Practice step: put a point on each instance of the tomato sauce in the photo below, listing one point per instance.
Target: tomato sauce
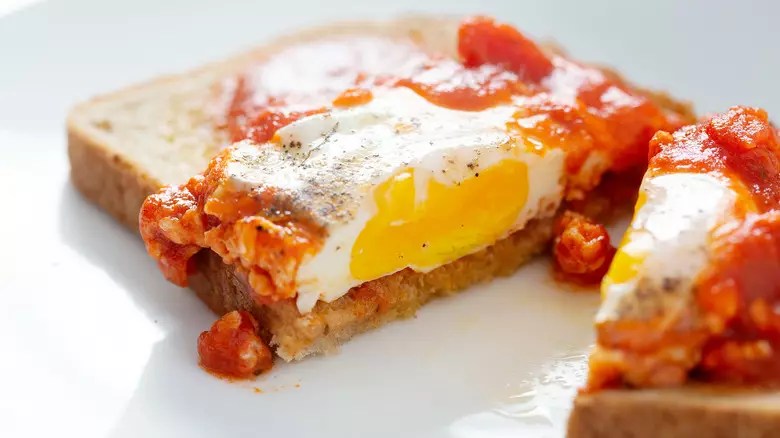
(568, 105)
(742, 293)
(175, 226)
(740, 146)
(732, 334)
(578, 108)
(601, 124)
(740, 290)
(257, 115)
(353, 97)
(559, 103)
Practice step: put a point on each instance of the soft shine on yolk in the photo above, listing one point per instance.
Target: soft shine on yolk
(624, 268)
(451, 221)
(630, 255)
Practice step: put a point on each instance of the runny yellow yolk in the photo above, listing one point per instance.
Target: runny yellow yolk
(630, 255)
(451, 221)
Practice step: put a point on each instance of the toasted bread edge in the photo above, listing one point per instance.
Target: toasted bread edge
(688, 412)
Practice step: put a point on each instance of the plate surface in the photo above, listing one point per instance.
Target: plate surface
(95, 343)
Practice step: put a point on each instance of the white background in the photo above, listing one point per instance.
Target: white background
(94, 343)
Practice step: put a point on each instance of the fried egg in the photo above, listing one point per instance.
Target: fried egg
(400, 183)
(666, 246)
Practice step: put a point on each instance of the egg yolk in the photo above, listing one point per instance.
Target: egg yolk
(630, 255)
(448, 222)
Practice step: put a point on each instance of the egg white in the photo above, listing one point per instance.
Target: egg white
(351, 151)
(669, 240)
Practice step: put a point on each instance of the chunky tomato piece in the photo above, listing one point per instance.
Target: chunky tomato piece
(233, 348)
(483, 41)
(582, 249)
(742, 128)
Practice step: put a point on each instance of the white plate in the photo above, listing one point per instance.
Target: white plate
(93, 342)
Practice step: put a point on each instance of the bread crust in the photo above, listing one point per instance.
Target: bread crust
(690, 412)
(108, 179)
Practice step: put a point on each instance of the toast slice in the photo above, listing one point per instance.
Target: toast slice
(125, 146)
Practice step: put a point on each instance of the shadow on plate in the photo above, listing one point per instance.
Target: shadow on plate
(508, 383)
(174, 397)
(121, 254)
